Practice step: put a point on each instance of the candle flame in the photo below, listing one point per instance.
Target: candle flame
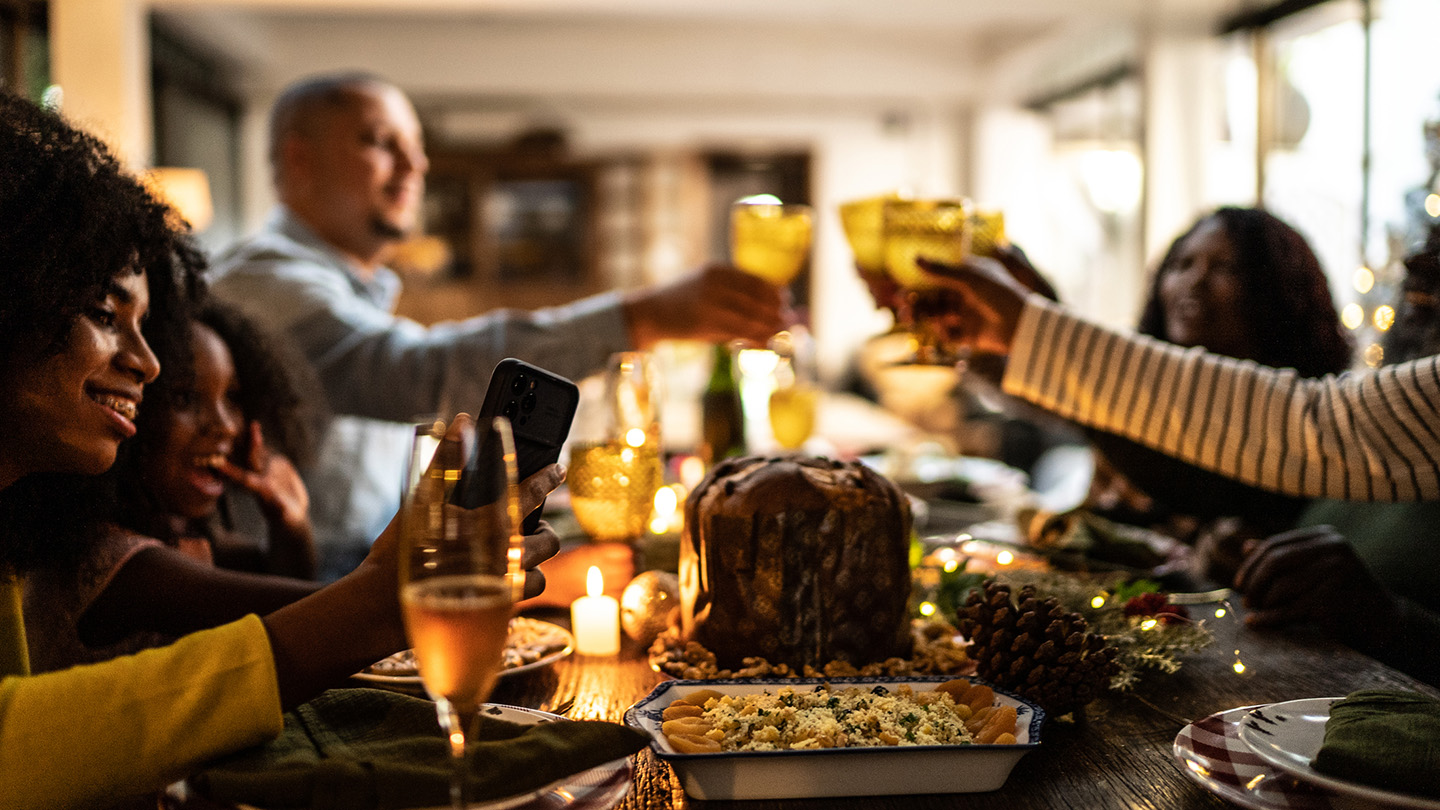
(634, 437)
(594, 582)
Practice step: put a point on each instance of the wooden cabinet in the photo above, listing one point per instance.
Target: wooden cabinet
(520, 225)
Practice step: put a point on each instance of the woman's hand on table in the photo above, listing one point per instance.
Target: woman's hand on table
(1313, 575)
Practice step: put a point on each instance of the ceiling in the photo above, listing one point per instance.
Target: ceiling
(750, 52)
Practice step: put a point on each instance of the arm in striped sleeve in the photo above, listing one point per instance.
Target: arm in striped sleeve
(1367, 435)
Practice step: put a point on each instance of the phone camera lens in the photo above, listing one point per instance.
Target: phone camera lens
(510, 410)
(518, 384)
(527, 404)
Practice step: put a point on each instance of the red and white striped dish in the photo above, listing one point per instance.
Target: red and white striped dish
(1211, 752)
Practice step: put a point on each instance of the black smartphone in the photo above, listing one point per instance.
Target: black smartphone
(540, 406)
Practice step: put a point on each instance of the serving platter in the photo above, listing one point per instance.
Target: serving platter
(553, 641)
(821, 773)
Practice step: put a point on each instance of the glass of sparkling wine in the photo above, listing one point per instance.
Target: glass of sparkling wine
(796, 397)
(460, 570)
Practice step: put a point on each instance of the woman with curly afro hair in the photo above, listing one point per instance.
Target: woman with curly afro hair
(225, 418)
(1239, 282)
(95, 282)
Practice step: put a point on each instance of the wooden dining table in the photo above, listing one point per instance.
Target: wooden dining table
(1116, 753)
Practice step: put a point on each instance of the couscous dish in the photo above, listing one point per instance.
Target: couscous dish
(956, 713)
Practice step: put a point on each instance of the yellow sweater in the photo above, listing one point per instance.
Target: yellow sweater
(95, 734)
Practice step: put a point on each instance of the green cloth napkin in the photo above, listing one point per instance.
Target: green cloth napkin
(1386, 739)
(355, 749)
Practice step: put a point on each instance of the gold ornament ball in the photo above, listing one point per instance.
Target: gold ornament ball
(646, 604)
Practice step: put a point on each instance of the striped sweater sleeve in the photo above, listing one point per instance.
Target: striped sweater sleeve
(1368, 435)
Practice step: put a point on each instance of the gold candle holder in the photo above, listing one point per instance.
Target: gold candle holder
(612, 488)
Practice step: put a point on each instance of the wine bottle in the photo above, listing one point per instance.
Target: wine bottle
(723, 418)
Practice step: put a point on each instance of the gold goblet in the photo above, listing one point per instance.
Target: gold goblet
(864, 224)
(770, 239)
(987, 231)
(937, 230)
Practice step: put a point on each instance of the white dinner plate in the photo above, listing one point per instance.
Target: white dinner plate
(1288, 735)
(520, 624)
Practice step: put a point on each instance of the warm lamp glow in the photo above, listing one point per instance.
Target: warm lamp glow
(1432, 205)
(1352, 316)
(692, 469)
(666, 500)
(667, 516)
(634, 437)
(1383, 317)
(185, 190)
(1374, 355)
(757, 362)
(1364, 279)
(1113, 178)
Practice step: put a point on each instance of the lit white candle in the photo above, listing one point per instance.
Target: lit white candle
(595, 618)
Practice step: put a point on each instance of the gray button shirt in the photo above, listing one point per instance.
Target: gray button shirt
(381, 372)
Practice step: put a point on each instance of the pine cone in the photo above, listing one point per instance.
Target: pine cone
(1035, 648)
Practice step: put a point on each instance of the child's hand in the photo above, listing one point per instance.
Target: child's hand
(274, 482)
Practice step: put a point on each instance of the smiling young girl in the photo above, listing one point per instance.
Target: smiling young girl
(91, 274)
(151, 526)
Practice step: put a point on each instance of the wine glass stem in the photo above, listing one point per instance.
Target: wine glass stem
(454, 726)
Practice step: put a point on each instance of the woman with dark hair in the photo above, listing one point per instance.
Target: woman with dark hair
(1241, 283)
(154, 525)
(94, 280)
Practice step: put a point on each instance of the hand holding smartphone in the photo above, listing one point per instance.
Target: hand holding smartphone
(540, 406)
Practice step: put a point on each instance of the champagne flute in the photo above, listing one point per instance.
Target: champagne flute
(460, 570)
